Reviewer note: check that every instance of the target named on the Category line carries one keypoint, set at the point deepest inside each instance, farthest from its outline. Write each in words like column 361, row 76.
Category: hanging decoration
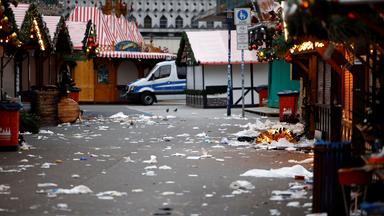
column 267, row 33
column 90, row 46
column 8, row 30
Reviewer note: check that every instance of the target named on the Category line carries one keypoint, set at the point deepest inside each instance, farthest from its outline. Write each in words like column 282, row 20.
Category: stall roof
column 51, row 22
column 19, row 13
column 109, row 29
column 77, row 33
column 211, row 47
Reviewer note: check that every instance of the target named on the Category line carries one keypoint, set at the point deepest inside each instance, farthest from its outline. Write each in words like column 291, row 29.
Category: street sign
column 242, row 16
column 242, row 37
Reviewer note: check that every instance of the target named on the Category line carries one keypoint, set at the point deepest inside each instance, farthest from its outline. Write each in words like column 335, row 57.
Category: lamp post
column 229, row 67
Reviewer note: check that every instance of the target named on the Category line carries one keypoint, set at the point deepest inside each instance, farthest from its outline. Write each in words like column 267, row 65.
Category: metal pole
column 229, row 87
column 242, row 83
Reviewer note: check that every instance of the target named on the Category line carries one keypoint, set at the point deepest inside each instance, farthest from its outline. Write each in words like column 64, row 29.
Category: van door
column 161, row 80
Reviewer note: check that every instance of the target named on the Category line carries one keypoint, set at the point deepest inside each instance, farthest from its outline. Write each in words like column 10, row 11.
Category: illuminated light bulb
column 1, row 27
column 31, row 36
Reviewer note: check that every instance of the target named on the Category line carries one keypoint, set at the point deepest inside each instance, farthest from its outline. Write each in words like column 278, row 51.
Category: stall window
column 102, row 74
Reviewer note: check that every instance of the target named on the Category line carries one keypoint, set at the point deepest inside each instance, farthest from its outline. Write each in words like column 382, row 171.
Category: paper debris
column 274, row 212
column 293, row 204
column 285, row 172
column 80, row 189
column 242, row 184
column 165, row 167
column 119, row 115
column 139, row 190
column 47, row 165
column 308, row 160
column 167, row 193
column 149, row 173
column 152, row 160
column 45, row 132
column 46, row 185
column 109, row 195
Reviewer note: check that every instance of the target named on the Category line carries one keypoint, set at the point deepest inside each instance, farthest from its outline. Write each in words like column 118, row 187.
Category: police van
column 164, row 79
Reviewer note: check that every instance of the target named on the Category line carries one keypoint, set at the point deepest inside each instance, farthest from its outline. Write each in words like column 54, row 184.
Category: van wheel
column 147, row 98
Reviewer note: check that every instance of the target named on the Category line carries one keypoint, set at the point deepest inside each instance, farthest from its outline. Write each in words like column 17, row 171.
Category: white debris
column 80, row 189
column 169, row 182
column 149, row 173
column 46, row 132
column 203, row 134
column 168, row 193
column 150, row 167
column 119, row 115
column 287, row 195
column 236, row 143
column 109, row 195
column 183, row 135
column 47, row 165
column 274, row 212
column 75, row 176
column 193, row 158
column 285, row 172
column 224, row 140
column 24, row 161
column 165, row 167
column 139, row 190
column 240, row 191
column 152, row 160
column 242, row 184
column 103, row 128
column 247, row 133
column 25, row 147
column 317, row 214
column 128, row 160
column 308, row 160
column 62, row 207
column 46, row 185
column 179, row 155
column 193, row 175
column 195, row 128
column 293, row 204
column 4, row 189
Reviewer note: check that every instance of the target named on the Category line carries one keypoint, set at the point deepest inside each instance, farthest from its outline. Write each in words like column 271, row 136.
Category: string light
column 38, row 34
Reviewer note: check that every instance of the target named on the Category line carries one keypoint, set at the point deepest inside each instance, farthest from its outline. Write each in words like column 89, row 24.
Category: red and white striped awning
column 135, row 55
column 109, row 29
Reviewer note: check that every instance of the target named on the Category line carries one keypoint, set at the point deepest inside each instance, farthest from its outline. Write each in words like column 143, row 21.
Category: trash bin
column 263, row 94
column 288, row 104
column 9, row 124
column 74, row 93
column 327, row 193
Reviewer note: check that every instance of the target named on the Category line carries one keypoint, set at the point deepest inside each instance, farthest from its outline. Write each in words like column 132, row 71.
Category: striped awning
column 135, row 55
column 109, row 29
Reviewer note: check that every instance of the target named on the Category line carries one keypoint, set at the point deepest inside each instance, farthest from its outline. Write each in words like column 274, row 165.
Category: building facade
column 162, row 21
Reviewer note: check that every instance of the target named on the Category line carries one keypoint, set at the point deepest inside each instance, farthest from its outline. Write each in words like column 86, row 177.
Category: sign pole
column 242, row 84
column 229, row 87
column 242, row 20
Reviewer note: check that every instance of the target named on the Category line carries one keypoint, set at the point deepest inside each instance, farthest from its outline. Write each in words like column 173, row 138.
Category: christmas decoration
column 33, row 30
column 90, row 45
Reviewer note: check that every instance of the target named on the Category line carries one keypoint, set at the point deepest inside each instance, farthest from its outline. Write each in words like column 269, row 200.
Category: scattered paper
column 285, row 172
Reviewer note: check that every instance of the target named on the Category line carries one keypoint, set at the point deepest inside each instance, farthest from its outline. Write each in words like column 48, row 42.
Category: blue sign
column 242, row 15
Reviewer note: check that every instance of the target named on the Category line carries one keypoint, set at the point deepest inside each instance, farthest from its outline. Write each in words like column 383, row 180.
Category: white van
column 164, row 79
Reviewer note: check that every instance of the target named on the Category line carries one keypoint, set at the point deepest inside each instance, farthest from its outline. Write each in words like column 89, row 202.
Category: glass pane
column 102, row 74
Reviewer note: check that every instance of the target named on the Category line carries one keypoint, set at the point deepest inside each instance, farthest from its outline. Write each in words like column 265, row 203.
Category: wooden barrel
column 44, row 104
column 68, row 110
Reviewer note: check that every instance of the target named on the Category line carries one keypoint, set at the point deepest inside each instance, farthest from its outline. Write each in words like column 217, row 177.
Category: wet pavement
column 166, row 159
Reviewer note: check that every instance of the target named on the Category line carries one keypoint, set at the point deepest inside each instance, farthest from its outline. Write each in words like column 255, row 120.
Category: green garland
column 184, row 44
column 26, row 27
column 62, row 37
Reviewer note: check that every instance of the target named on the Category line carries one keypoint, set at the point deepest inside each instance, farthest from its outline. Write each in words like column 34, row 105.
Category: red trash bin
column 288, row 104
column 9, row 124
column 263, row 94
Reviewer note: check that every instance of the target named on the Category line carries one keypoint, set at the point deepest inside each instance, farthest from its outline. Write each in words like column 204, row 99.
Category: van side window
column 165, row 71
column 161, row 72
column 182, row 72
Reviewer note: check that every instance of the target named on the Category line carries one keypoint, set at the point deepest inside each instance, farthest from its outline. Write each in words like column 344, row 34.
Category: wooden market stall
column 117, row 59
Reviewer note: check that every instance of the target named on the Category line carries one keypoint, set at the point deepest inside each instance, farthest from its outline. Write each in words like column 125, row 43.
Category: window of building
column 179, row 22
column 147, row 22
column 163, row 22
column 194, row 23
column 210, row 24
